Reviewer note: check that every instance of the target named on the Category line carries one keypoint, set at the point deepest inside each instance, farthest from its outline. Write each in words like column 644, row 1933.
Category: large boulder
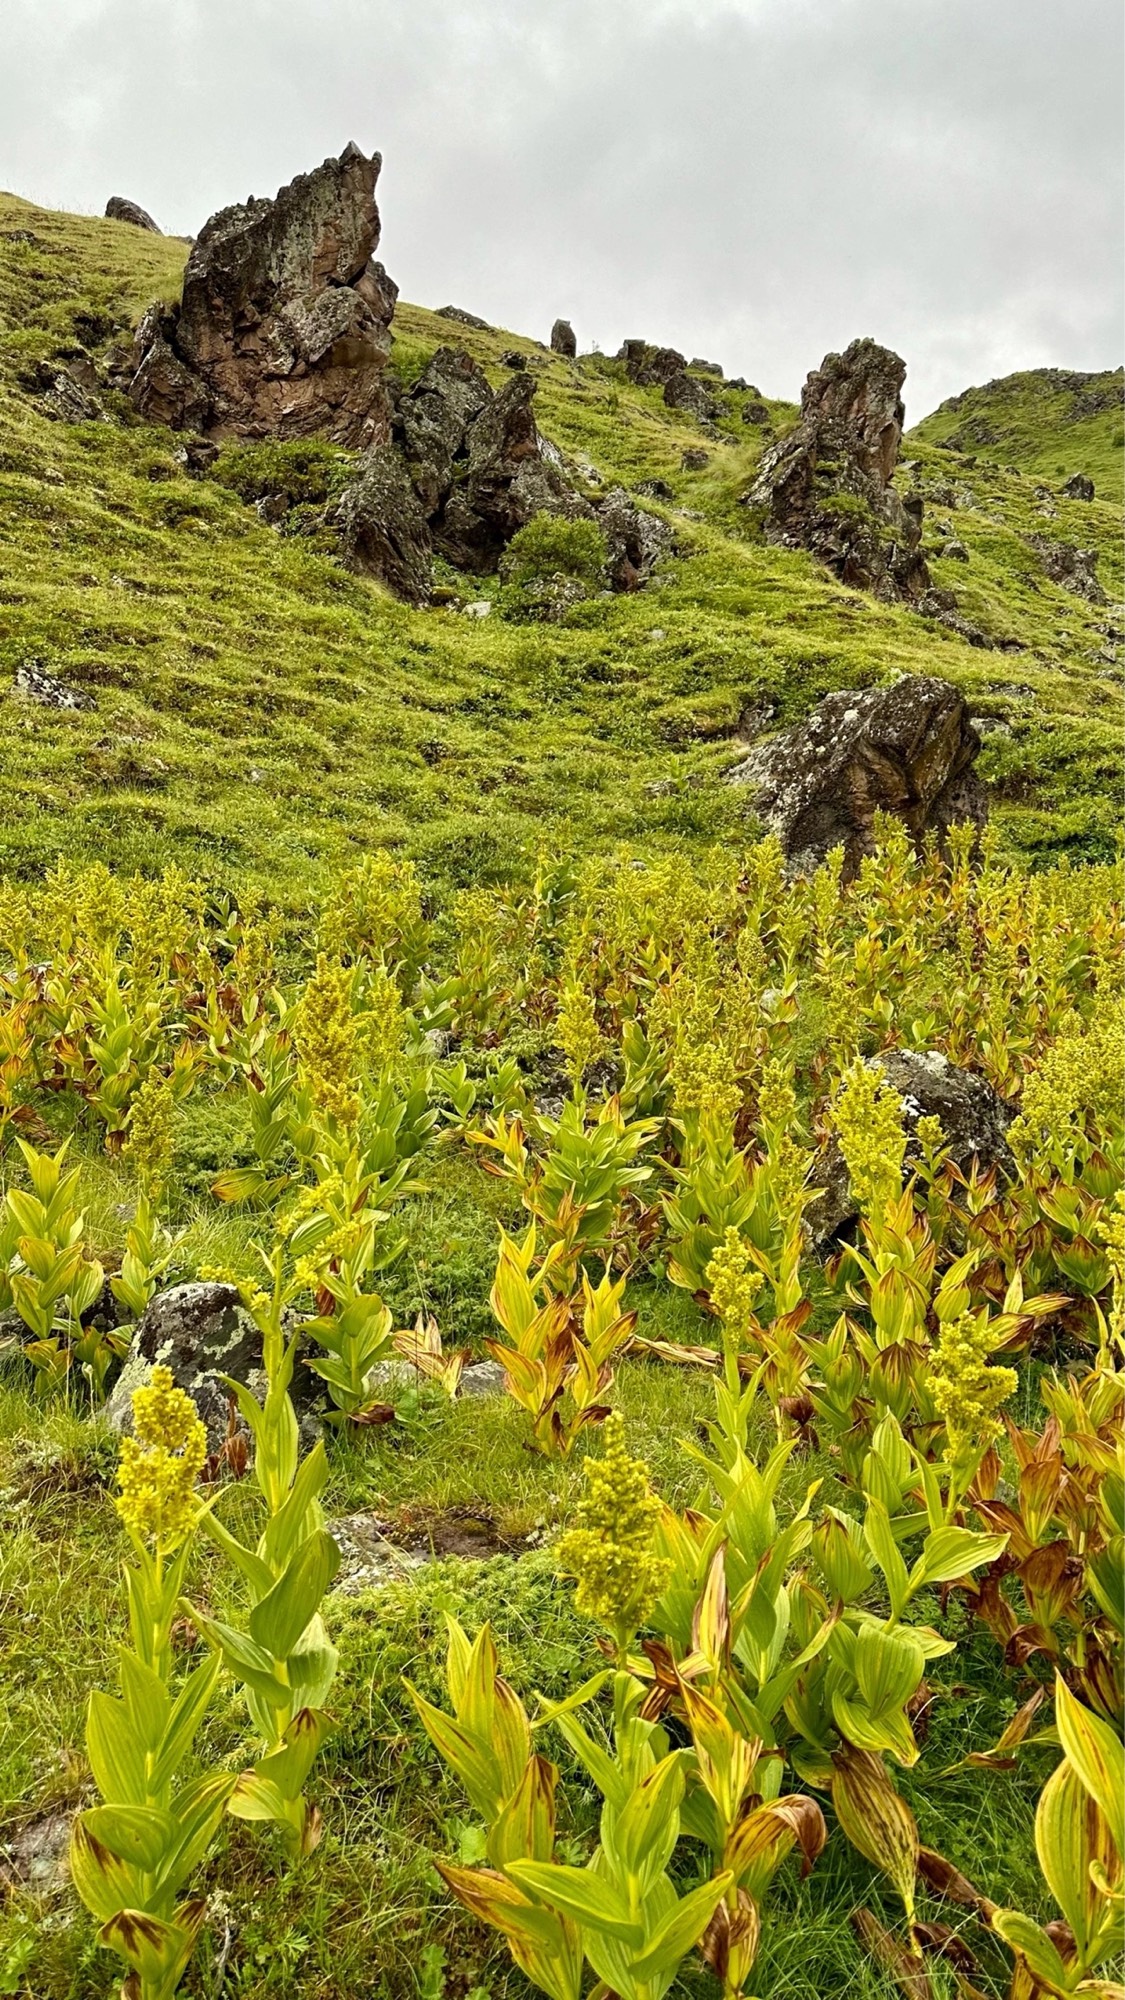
column 434, row 418
column 383, row 528
column 826, row 486
column 649, row 366
column 973, row 1118
column 635, row 538
column 284, row 324
column 119, row 210
column 201, row 1332
column 907, row 749
column 508, row 477
column 563, row 340
column 1075, row 569
column 685, row 392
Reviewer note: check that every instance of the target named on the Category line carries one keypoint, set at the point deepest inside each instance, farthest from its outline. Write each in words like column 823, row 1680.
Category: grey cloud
column 755, row 180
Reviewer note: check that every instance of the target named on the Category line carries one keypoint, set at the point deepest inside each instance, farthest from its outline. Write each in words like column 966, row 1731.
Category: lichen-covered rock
column 284, row 324
column 1074, row 569
column 650, row 366
column 434, row 418
column 563, row 340
column 973, row 1118
column 635, row 538
column 201, row 1332
column 1078, row 487
column 907, row 749
column 383, row 529
column 826, row 486
column 509, row 477
column 33, row 683
column 118, row 209
column 685, row 392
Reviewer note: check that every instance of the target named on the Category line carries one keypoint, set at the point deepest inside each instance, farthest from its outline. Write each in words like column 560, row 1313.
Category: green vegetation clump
column 848, row 1539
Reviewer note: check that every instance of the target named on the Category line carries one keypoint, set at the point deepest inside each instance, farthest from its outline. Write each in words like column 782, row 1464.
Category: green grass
column 263, row 716
column 1043, row 421
column 356, row 1918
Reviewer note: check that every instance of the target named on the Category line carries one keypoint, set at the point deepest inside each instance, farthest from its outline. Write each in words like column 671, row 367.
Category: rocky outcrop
column 119, row 210
column 650, row 366
column 685, row 392
column 473, row 470
column 636, row 540
column 383, row 528
column 907, row 749
column 826, row 486
column 563, row 340
column 201, row 1332
column 463, row 318
column 973, row 1118
column 32, row 682
column 1078, row 487
column 284, row 325
column 1074, row 569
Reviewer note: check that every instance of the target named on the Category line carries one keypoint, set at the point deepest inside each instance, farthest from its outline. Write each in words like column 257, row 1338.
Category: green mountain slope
column 1045, row 421
column 260, row 713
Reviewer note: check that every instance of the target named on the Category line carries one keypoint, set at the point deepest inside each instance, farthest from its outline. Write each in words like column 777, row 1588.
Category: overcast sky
column 754, row 181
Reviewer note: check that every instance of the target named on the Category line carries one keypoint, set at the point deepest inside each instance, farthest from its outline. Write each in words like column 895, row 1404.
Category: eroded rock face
column 826, row 486
column 201, row 1332
column 284, row 325
column 383, row 528
column 646, row 365
column 1078, row 487
column 973, row 1117
column 563, row 340
column 1074, row 569
column 119, row 210
column 636, row 540
column 907, row 749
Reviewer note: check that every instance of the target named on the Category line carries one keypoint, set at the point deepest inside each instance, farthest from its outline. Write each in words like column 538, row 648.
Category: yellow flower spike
column 611, row 1553
column 161, row 1463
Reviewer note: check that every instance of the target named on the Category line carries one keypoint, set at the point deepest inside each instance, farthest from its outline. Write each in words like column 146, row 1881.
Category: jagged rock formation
column 1075, row 569
column 284, row 325
column 119, row 210
column 468, row 468
column 563, row 340
column 974, row 1120
column 383, row 528
column 826, row 486
column 636, row 540
column 1078, row 487
column 907, row 749
column 648, row 366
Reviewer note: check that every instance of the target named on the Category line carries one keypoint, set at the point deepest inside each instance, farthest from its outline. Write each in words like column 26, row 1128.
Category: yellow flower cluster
column 576, row 1028
column 325, row 1036
column 148, row 1138
column 1076, row 1090
column 382, row 1023
column 867, row 1115
column 161, row 1462
column 967, row 1392
column 612, row 1551
column 734, row 1285
column 1111, row 1233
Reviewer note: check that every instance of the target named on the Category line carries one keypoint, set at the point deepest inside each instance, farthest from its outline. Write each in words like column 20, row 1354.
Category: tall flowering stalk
column 131, row 1856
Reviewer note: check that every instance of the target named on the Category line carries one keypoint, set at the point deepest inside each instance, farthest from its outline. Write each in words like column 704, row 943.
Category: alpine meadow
column 562, row 1243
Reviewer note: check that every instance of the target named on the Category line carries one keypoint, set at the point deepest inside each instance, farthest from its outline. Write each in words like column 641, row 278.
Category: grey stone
column 826, row 485
column 906, row 749
column 974, row 1120
column 563, row 340
column 1078, row 487
column 33, row 683
column 695, row 459
column 202, row 1331
column 1074, row 569
column 118, row 209
column 383, row 529
column 636, row 539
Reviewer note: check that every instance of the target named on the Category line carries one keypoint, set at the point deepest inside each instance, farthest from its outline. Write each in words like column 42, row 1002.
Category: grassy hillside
column 1045, row 421
column 261, row 712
